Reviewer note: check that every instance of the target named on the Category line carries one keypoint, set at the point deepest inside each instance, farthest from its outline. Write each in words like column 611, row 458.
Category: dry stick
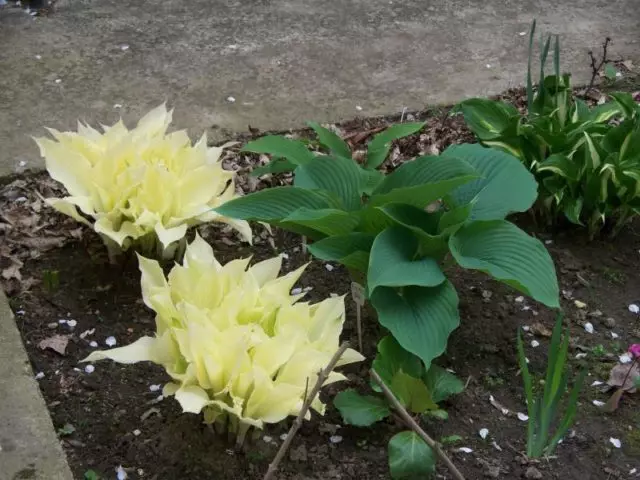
column 415, row 427
column 596, row 68
column 297, row 423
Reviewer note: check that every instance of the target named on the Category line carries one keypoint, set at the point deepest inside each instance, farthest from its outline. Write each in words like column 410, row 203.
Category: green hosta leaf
column 442, row 384
column 573, row 210
column 489, row 119
column 508, row 254
column 360, row 410
column 610, row 71
column 326, row 220
column 412, row 393
column 379, row 147
column 340, row 176
column 422, row 181
column 506, row 187
column 277, row 165
column 421, row 318
column 293, row 150
column 605, row 112
column 423, row 224
column 374, row 178
column 331, row 141
column 452, row 219
column 273, row 204
column 351, row 250
column 391, row 359
column 410, row 457
column 392, row 262
column 439, row 414
column 561, row 165
column 626, row 103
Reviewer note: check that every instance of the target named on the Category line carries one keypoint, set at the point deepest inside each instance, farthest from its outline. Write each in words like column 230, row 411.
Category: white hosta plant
column 235, row 342
column 141, row 186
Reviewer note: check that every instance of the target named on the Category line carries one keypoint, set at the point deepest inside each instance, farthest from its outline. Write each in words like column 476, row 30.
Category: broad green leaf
column 273, row 204
column 626, row 103
column 573, row 210
column 293, row 150
column 489, row 119
column 379, row 147
column 338, row 175
column 277, row 165
column 442, row 384
column 423, row 224
column 439, row 414
column 393, row 262
column 605, row 112
column 326, row 220
column 454, row 218
column 331, row 141
column 508, row 254
column 360, row 410
column 345, row 249
column 610, row 71
column 423, row 181
column 410, row 457
column 561, row 165
column 391, row 359
column 421, row 318
column 374, row 178
column 412, row 393
column 506, row 187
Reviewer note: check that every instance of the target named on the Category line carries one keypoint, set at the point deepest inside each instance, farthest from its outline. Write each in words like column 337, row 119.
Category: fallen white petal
column 633, row 308
column 465, row 450
column 596, row 383
column 535, row 343
column 267, row 439
column 329, row 267
column 110, row 341
column 89, row 368
column 632, row 471
column 580, row 355
column 93, row 344
column 526, row 328
column 283, row 437
column 496, row 446
column 58, row 80
column 231, row 99
column 483, row 433
column 598, row 403
column 155, row 387
column 522, row 417
column 137, row 432
column 614, row 335
column 71, row 323
column 296, row 291
column 358, row 108
column 519, row 299
column 588, row 327
column 120, row 473
column 38, row 57
column 124, row 48
column 39, row 375
column 522, row 34
column 335, row 438
column 615, row 442
column 625, row 358
column 117, row 105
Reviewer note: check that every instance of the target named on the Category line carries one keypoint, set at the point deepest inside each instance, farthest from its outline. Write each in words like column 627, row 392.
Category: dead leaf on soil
column 539, row 329
column 57, row 343
column 628, row 64
column 620, row 372
column 12, row 271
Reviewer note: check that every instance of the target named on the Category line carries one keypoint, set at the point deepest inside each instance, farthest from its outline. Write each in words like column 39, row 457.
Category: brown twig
column 595, row 66
column 297, row 423
column 410, row 422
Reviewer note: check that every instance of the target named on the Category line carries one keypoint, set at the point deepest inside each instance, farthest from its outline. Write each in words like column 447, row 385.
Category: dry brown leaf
column 57, row 343
column 620, row 372
column 12, row 271
column 628, row 64
column 43, row 244
column 539, row 329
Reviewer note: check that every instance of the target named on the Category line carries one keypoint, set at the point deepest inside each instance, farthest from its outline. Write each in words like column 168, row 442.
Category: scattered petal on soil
column 526, row 328
column 522, row 417
column 296, row 291
column 633, row 308
column 329, row 267
column 110, row 341
column 579, row 304
column 588, row 327
column 39, row 375
column 87, row 333
column 117, row 105
column 93, row 344
column 535, row 343
column 519, row 299
column 283, row 437
column 72, row 323
column 496, row 446
column 267, row 439
column 120, row 473
column 231, row 99
column 137, row 432
column 483, row 433
column 597, row 383
column 598, row 403
column 614, row 335
column 124, row 48
column 465, row 450
column 580, row 355
column 539, row 329
column 625, row 358
column 358, row 108
column 89, row 368
column 155, row 387
column 335, row 438
column 615, row 442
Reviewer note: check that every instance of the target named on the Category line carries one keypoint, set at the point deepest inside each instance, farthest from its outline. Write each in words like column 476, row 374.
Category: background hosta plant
column 288, row 154
column 237, row 345
column 583, row 159
column 419, row 391
column 398, row 236
column 141, row 187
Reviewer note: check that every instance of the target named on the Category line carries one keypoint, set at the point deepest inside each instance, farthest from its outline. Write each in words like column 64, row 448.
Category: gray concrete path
column 284, row 61
column 29, row 447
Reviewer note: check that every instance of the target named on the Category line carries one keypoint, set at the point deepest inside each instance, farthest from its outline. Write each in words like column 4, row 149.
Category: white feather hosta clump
column 142, row 187
column 236, row 344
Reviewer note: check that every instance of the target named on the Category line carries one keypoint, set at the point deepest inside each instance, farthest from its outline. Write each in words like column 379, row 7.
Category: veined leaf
column 379, row 146
column 273, row 204
column 410, row 457
column 442, row 384
column 393, row 262
column 421, row 318
column 489, row 119
column 506, row 185
column 422, row 181
column 454, row 218
column 328, row 221
column 351, row 250
column 277, row 165
column 373, row 179
column 508, row 254
column 573, row 210
column 360, row 410
column 340, row 176
column 412, row 393
column 561, row 165
column 605, row 112
column 626, row 103
column 391, row 359
column 331, row 140
column 293, row 150
column 423, row 224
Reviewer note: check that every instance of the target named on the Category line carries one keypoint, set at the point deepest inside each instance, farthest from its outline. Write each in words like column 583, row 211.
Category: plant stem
column 408, row 419
column 297, row 423
column 635, row 359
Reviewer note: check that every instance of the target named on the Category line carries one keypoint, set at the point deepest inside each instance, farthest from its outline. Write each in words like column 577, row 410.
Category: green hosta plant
column 400, row 238
column 287, row 154
column 543, row 408
column 419, row 391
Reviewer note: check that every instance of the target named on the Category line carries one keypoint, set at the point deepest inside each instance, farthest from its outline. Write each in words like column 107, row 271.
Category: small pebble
column 110, row 341
column 533, row 473
column 614, row 335
column 329, row 267
column 335, row 439
column 72, row 323
column 93, row 344
column 267, row 439
column 483, row 433
column 519, row 299
column 39, row 375
column 358, row 108
column 89, row 368
column 588, row 327
column 535, row 343
column 52, row 325
column 610, row 322
column 137, row 432
column 283, row 437
column 633, row 308
column 231, row 99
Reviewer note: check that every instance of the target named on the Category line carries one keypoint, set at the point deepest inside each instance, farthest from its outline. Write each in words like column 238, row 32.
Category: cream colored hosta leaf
column 192, row 398
column 271, row 402
column 142, row 350
column 69, row 206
